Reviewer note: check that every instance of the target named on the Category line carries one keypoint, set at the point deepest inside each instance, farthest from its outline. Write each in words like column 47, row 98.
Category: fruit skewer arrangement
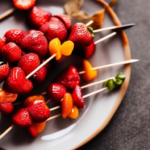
column 36, row 113
column 89, row 74
column 52, row 29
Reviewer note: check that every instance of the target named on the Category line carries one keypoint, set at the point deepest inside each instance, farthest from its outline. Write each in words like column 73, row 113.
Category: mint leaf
column 91, row 31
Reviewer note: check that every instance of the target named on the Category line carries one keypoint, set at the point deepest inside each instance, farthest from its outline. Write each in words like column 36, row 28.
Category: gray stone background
column 129, row 129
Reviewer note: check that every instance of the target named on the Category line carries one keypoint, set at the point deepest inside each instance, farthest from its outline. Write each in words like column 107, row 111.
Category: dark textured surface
column 129, row 129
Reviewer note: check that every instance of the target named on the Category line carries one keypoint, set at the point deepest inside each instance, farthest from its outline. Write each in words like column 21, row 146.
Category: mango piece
column 74, row 113
column 54, row 48
column 67, row 48
column 67, row 105
column 89, row 73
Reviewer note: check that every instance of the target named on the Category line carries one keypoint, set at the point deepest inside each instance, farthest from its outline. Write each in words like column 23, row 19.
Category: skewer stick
column 105, row 29
column 54, row 108
column 39, row 67
column 91, row 84
column 6, row 131
column 105, row 38
column 114, row 64
column 7, row 13
column 89, row 23
column 120, row 27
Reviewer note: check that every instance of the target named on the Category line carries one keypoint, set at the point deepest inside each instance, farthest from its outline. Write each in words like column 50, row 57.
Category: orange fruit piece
column 6, row 97
column 89, row 73
column 33, row 98
column 37, row 128
column 54, row 48
column 67, row 48
column 74, row 113
column 66, row 104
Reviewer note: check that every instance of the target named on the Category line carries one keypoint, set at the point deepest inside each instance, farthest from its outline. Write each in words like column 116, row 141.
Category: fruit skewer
column 85, row 96
column 82, row 87
column 54, row 55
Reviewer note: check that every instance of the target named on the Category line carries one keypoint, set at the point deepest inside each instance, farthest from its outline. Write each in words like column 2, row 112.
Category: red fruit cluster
column 35, row 111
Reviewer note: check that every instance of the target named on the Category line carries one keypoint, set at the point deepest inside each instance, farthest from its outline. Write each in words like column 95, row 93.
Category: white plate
column 62, row 133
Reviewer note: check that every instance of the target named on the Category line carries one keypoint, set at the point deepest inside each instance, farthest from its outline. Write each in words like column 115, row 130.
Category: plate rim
column 127, row 72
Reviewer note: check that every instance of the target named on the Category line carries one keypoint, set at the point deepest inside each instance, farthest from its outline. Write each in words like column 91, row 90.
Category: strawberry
column 6, row 97
column 15, row 80
column 65, row 19
column 14, row 35
column 37, row 17
column 54, row 29
column 22, row 118
column 35, row 42
column 56, row 91
column 40, row 75
column 37, row 128
column 24, row 4
column 11, row 52
column 6, row 108
column 89, row 50
column 32, row 31
column 26, row 87
column 77, row 97
column 4, row 71
column 80, row 35
column 38, row 110
column 2, row 43
column 29, row 62
column 70, row 78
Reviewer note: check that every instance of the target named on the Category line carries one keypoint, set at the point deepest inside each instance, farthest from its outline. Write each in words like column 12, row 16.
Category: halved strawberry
column 24, row 4
column 6, row 97
column 77, row 97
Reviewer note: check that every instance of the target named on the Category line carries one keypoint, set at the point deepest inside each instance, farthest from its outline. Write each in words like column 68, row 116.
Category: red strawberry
column 24, row 4
column 2, row 43
column 35, row 42
column 15, row 80
column 38, row 110
column 22, row 118
column 6, row 108
column 56, row 91
column 11, row 52
column 26, row 87
column 29, row 62
column 37, row 17
column 70, row 78
column 89, row 50
column 4, row 71
column 32, row 31
column 80, row 35
column 65, row 19
column 14, row 35
column 40, row 75
column 77, row 97
column 54, row 29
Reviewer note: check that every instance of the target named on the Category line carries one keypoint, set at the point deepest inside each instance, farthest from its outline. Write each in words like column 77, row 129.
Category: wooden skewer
column 39, row 67
column 121, row 27
column 54, row 108
column 105, row 38
column 114, row 64
column 7, row 13
column 89, row 23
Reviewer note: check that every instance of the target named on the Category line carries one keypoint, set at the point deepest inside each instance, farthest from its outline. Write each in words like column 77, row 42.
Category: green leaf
column 91, row 31
column 1, row 62
column 105, row 83
column 111, row 85
column 118, row 82
column 122, row 77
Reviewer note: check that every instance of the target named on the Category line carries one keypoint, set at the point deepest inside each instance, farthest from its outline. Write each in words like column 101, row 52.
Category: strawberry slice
column 6, row 108
column 77, row 97
column 24, row 4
